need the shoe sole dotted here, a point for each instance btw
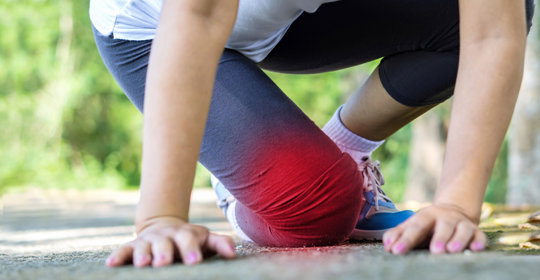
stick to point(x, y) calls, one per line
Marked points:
point(371, 235)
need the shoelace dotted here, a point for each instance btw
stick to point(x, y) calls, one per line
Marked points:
point(225, 202)
point(373, 179)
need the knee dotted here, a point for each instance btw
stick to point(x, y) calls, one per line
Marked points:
point(419, 78)
point(326, 212)
point(340, 210)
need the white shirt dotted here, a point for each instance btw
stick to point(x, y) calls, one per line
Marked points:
point(260, 24)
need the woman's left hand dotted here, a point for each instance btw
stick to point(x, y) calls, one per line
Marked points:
point(445, 227)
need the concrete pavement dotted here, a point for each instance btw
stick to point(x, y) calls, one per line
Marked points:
point(52, 234)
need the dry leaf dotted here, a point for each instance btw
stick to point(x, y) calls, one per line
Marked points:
point(511, 220)
point(514, 239)
point(413, 205)
point(528, 245)
point(528, 226)
point(487, 210)
point(535, 236)
point(534, 217)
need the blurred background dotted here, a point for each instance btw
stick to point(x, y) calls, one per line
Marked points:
point(64, 123)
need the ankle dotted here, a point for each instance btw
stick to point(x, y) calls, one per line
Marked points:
point(363, 126)
point(349, 142)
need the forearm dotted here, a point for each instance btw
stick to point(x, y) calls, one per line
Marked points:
point(185, 52)
point(485, 95)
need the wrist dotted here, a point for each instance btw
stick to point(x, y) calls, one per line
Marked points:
point(468, 211)
point(144, 223)
point(151, 211)
point(161, 200)
point(464, 192)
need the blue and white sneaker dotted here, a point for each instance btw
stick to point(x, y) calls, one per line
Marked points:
point(379, 213)
point(227, 203)
point(225, 198)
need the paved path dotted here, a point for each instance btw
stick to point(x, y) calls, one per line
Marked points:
point(68, 234)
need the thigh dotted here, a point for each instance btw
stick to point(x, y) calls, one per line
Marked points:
point(350, 32)
point(257, 141)
point(294, 186)
point(127, 61)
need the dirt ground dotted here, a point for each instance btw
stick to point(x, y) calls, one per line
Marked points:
point(57, 234)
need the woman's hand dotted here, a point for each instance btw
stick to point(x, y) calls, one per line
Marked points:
point(445, 227)
point(168, 239)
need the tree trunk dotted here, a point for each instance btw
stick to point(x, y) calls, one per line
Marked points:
point(426, 157)
point(524, 149)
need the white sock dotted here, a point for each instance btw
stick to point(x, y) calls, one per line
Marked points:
point(349, 142)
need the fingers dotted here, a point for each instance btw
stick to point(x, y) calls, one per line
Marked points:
point(169, 239)
point(390, 237)
point(162, 251)
point(142, 254)
point(447, 230)
point(120, 257)
point(479, 241)
point(463, 234)
point(223, 245)
point(189, 242)
point(416, 231)
point(443, 232)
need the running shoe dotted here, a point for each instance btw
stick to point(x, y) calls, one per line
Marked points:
point(379, 213)
point(227, 203)
point(225, 198)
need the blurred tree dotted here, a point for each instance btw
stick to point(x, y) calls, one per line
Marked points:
point(524, 157)
point(63, 120)
point(428, 143)
point(426, 155)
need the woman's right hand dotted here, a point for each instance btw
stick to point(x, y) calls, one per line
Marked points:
point(447, 228)
point(167, 239)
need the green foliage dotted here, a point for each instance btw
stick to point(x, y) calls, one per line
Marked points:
point(394, 158)
point(496, 190)
point(64, 122)
point(318, 95)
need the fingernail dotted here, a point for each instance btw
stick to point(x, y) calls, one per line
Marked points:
point(233, 248)
point(455, 246)
point(192, 258)
point(140, 259)
point(110, 261)
point(438, 247)
point(477, 246)
point(162, 257)
point(387, 241)
point(399, 248)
